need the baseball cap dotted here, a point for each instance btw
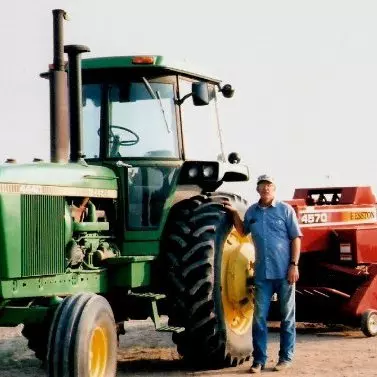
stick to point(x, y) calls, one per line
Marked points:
point(265, 178)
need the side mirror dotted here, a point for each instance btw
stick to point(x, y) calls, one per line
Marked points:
point(200, 93)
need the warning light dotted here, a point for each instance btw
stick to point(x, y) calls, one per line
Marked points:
point(143, 60)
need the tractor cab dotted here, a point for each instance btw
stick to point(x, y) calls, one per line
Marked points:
point(139, 108)
point(149, 120)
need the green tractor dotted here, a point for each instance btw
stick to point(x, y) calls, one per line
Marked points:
point(132, 218)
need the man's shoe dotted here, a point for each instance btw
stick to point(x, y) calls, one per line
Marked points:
point(282, 365)
point(256, 368)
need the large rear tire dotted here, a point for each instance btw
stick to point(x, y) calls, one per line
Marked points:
point(82, 340)
point(209, 267)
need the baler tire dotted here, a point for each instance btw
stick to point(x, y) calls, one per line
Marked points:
point(196, 237)
point(82, 340)
point(368, 323)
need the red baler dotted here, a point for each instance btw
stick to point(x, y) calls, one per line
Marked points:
point(338, 264)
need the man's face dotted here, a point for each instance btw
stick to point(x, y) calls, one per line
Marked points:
point(266, 190)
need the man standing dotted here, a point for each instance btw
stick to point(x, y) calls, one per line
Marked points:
point(276, 235)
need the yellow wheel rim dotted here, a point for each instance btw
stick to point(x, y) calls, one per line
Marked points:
point(237, 266)
point(98, 352)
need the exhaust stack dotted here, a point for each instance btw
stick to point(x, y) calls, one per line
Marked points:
point(58, 93)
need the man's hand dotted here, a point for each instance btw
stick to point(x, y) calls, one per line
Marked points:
point(237, 222)
point(293, 274)
point(228, 206)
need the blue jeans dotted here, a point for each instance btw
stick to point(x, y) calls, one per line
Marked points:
point(264, 289)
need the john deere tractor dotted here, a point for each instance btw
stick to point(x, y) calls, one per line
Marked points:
point(131, 225)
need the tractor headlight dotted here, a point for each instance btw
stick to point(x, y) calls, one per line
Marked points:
point(199, 172)
point(208, 171)
point(193, 172)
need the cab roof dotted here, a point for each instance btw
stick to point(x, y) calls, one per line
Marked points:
point(144, 62)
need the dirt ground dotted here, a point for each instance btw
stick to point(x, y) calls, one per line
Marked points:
point(321, 351)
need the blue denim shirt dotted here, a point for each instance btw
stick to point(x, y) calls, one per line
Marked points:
point(272, 229)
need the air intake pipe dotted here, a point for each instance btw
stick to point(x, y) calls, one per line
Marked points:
point(75, 99)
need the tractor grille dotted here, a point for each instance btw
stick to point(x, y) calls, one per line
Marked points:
point(42, 235)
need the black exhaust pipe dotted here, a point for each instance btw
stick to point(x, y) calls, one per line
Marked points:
point(58, 93)
point(75, 99)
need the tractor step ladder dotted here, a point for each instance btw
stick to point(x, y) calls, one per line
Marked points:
point(153, 298)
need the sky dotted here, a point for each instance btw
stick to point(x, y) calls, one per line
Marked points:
point(304, 73)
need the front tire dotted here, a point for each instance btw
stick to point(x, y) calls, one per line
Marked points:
point(209, 266)
point(82, 340)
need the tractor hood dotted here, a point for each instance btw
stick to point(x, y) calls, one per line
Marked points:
point(70, 179)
